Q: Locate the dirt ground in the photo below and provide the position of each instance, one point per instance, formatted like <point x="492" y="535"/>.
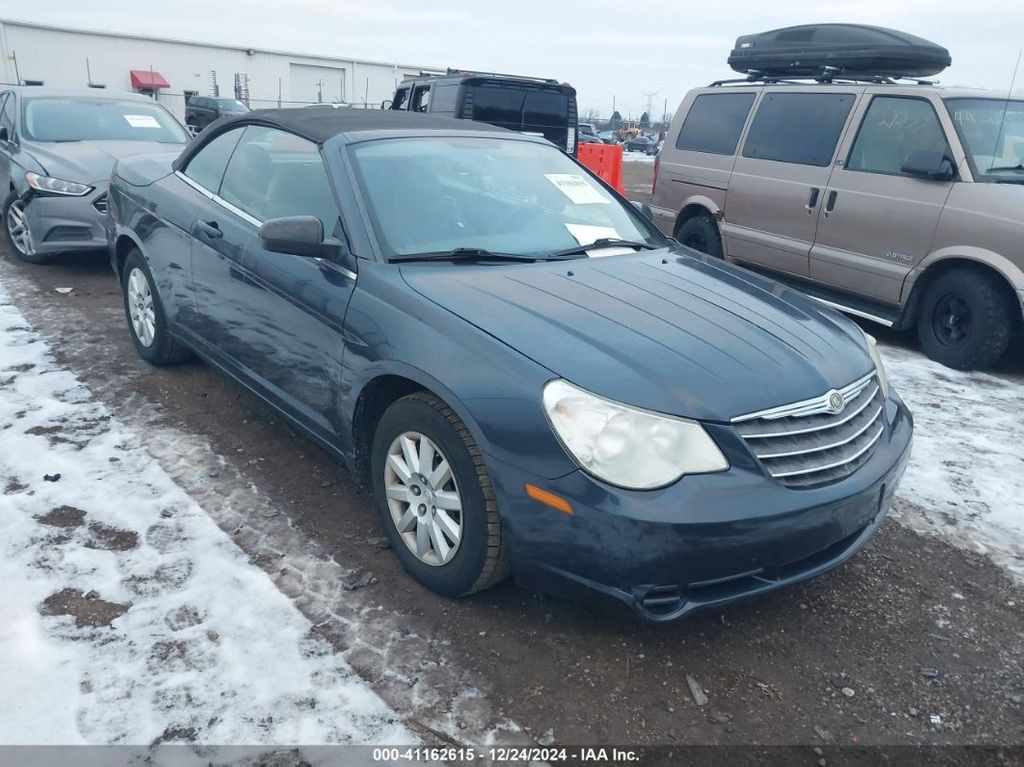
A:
<point x="910" y="630"/>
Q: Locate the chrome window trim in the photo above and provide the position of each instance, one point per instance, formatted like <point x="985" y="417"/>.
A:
<point x="813" y="406"/>
<point x="251" y="219"/>
<point x="854" y="312"/>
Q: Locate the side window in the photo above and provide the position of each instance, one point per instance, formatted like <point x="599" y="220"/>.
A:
<point x="401" y="96"/>
<point x="714" y="122"/>
<point x="420" y="98"/>
<point x="206" y="168"/>
<point x="444" y="98"/>
<point x="893" y="127"/>
<point x="801" y="128"/>
<point x="274" y="174"/>
<point x="7" y="114"/>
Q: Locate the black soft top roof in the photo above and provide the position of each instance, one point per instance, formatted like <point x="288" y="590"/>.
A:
<point x="322" y="123"/>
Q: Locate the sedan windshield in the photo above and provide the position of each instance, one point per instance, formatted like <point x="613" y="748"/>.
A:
<point x="992" y="132"/>
<point x="438" y="194"/>
<point x="97" y="119"/>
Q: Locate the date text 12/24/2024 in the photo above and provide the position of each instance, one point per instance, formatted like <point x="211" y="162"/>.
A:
<point x="528" y="754"/>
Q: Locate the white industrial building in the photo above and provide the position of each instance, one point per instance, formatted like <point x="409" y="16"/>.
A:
<point x="172" y="70"/>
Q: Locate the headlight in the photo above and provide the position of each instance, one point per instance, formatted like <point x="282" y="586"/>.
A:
<point x="883" y="380"/>
<point x="56" y="185"/>
<point x="624" y="445"/>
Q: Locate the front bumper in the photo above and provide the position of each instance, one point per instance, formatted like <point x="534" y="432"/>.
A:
<point x="61" y="223"/>
<point x="706" y="540"/>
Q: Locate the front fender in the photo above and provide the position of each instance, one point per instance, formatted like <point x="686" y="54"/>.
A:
<point x="495" y="390"/>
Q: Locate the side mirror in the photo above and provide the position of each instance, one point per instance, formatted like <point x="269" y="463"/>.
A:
<point x="297" y="236"/>
<point x="645" y="210"/>
<point x="926" y="164"/>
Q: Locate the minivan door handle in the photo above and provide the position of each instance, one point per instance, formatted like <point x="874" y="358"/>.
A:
<point x="812" y="201"/>
<point x="210" y="228"/>
<point x="830" y="202"/>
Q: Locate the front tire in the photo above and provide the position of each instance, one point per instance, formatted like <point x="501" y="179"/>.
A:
<point x="147" y="321"/>
<point x="435" y="498"/>
<point x="965" y="319"/>
<point x="701" y="234"/>
<point x="19" y="235"/>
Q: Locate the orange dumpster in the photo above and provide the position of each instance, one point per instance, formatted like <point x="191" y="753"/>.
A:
<point x="605" y="160"/>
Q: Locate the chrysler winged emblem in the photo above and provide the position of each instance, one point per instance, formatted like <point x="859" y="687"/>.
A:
<point x="836" y="403"/>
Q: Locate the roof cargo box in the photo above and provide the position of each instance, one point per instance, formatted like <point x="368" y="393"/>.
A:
<point x="813" y="50"/>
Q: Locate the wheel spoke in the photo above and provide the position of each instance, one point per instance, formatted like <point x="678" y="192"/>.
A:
<point x="422" y="540"/>
<point x="426" y="456"/>
<point x="398" y="466"/>
<point x="447" y="525"/>
<point x="440" y="476"/>
<point x="407" y="521"/>
<point x="440" y="544"/>
<point x="449" y="500"/>
<point x="411" y="457"/>
<point x="398" y="493"/>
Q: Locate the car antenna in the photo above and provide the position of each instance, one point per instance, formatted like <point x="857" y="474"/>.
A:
<point x="1006" y="106"/>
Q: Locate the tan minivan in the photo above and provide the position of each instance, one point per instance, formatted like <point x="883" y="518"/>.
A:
<point x="901" y="204"/>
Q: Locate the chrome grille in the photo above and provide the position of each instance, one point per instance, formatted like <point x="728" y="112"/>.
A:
<point x="100" y="203"/>
<point x="809" y="444"/>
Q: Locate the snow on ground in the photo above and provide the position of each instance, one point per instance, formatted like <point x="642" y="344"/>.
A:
<point x="126" y="614"/>
<point x="965" y="480"/>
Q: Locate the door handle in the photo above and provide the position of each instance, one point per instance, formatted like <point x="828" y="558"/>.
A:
<point x="812" y="201"/>
<point x="210" y="228"/>
<point x="830" y="202"/>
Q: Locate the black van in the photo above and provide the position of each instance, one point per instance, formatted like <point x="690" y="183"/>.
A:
<point x="536" y="106"/>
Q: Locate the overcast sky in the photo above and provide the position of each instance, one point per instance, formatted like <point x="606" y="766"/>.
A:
<point x="607" y="49"/>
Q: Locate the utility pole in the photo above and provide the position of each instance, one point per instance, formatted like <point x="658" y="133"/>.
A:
<point x="649" y="101"/>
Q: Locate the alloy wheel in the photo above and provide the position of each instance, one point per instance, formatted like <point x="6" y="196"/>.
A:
<point x="17" y="226"/>
<point x="952" y="319"/>
<point x="423" y="498"/>
<point x="140" y="307"/>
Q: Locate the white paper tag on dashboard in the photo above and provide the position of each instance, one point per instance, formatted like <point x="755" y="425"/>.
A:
<point x="578" y="189"/>
<point x="585" y="234"/>
<point x="141" y="121"/>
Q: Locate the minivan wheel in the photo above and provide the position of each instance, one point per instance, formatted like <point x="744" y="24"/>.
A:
<point x="700" y="233"/>
<point x="144" y="311"/>
<point x="435" y="498"/>
<point x="965" y="319"/>
<point x="17" y="229"/>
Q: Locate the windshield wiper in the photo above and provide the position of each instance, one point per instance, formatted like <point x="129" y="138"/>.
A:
<point x="996" y="169"/>
<point x="598" y="244"/>
<point x="462" y="254"/>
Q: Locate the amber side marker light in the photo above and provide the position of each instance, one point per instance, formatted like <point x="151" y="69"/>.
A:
<point x="548" y="499"/>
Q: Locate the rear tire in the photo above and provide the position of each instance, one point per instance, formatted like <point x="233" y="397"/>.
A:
<point x="480" y="557"/>
<point x="147" y="321"/>
<point x="965" y="319"/>
<point x="701" y="234"/>
<point x="19" y="236"/>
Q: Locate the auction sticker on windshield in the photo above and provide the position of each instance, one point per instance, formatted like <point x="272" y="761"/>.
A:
<point x="577" y="188"/>
<point x="142" y="121"/>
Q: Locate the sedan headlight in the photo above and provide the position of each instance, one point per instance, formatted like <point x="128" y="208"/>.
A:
<point x="56" y="185"/>
<point x="883" y="380"/>
<point x="626" y="446"/>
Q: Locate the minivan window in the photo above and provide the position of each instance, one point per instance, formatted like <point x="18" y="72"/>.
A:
<point x="893" y="127"/>
<point x="801" y="128"/>
<point x="400" y="96"/>
<point x="715" y="122"/>
<point x="420" y="98"/>
<point x="207" y="166"/>
<point x="992" y="132"/>
<point x="444" y="98"/>
<point x="7" y="114"/>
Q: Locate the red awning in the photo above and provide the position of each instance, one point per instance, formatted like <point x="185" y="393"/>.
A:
<point x="147" y="79"/>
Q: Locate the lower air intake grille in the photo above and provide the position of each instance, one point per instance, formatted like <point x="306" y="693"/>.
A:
<point x="819" y="441"/>
<point x="100" y="203"/>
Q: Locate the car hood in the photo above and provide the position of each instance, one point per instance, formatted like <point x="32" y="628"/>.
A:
<point x="674" y="333"/>
<point x="88" y="162"/>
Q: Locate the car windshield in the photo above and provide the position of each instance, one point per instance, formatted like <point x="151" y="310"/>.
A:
<point x="232" y="106"/>
<point x="433" y="195"/>
<point x="992" y="132"/>
<point x="97" y="119"/>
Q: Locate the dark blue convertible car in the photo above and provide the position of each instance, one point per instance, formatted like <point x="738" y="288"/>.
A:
<point x="530" y="377"/>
